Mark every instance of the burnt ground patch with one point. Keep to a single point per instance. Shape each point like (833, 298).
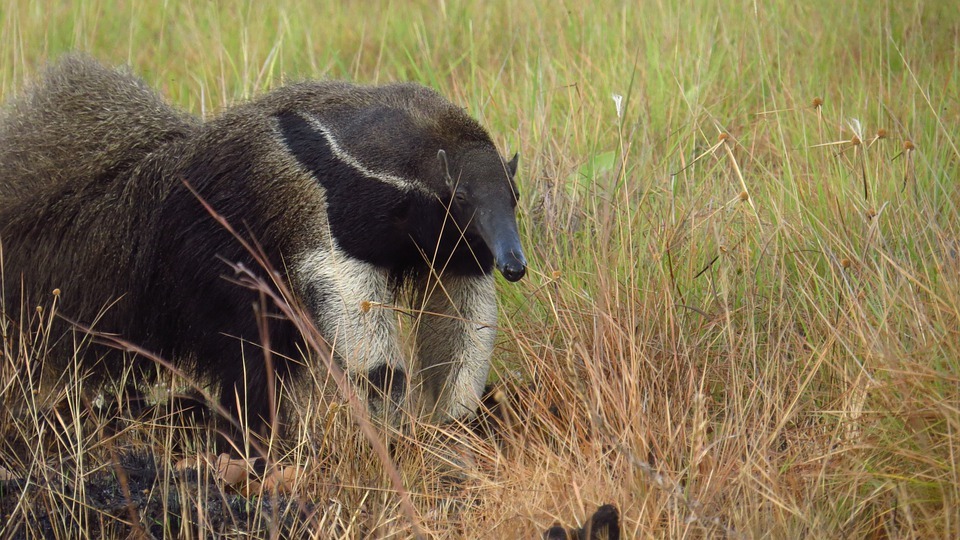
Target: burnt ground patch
(135, 497)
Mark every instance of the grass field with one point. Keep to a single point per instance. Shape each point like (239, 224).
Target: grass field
(742, 315)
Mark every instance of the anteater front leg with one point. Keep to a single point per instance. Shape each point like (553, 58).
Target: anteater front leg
(351, 301)
(455, 339)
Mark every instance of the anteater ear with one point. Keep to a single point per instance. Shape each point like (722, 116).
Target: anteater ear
(512, 166)
(442, 156)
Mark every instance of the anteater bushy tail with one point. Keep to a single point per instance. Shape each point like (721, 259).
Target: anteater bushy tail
(77, 123)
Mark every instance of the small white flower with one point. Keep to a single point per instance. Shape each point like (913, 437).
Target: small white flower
(618, 102)
(855, 127)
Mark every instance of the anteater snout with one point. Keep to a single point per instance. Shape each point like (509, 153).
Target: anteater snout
(513, 267)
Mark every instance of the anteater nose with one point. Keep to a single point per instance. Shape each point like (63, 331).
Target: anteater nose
(514, 273)
(514, 268)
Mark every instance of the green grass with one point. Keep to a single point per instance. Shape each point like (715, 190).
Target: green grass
(735, 318)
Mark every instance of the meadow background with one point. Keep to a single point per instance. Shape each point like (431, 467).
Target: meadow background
(741, 313)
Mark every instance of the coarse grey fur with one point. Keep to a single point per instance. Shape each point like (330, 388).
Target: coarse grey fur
(355, 193)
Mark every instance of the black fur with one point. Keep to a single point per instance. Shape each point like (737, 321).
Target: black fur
(386, 381)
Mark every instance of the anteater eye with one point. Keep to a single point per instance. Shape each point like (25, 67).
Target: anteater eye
(460, 197)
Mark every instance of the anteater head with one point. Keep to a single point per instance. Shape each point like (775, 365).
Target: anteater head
(401, 166)
(483, 195)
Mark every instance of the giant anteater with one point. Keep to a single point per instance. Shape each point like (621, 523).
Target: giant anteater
(354, 194)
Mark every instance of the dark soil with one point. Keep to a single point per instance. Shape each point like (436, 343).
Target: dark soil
(134, 498)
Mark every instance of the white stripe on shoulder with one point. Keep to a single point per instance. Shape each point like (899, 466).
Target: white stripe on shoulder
(343, 155)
